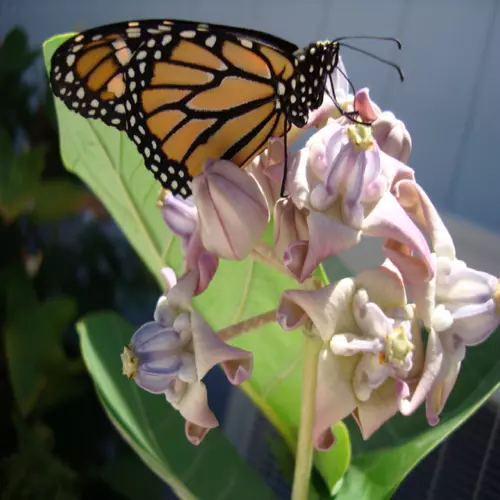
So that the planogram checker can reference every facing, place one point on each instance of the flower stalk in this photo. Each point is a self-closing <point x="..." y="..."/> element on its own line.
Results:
<point x="305" y="446"/>
<point x="247" y="325"/>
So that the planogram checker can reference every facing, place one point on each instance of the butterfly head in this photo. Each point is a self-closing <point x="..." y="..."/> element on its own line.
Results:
<point x="313" y="64"/>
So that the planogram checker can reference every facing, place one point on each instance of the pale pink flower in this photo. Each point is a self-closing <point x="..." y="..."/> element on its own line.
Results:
<point x="459" y="306"/>
<point x="341" y="183"/>
<point x="371" y="340"/>
<point x="232" y="209"/>
<point x="181" y="216"/>
<point x="172" y="354"/>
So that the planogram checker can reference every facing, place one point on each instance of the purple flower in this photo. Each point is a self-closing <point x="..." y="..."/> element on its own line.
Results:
<point x="232" y="209"/>
<point x="173" y="353"/>
<point x="341" y="184"/>
<point x="181" y="216"/>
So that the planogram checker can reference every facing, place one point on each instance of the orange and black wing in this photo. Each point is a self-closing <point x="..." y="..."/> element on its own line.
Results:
<point x="201" y="93"/>
<point x="88" y="70"/>
<point x="184" y="92"/>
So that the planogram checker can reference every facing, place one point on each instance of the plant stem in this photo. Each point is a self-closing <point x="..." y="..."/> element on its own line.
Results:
<point x="248" y="324"/>
<point x="304" y="454"/>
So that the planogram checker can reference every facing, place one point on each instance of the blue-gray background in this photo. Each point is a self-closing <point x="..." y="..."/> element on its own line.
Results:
<point x="450" y="100"/>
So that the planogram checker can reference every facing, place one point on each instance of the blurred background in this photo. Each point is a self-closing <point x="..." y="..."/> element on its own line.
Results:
<point x="61" y="255"/>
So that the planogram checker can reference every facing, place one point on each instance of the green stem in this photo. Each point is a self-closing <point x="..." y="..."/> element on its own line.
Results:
<point x="305" y="449"/>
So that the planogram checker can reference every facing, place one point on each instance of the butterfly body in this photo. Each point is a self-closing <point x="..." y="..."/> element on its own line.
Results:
<point x="185" y="92"/>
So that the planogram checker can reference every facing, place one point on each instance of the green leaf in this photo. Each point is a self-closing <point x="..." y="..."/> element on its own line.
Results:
<point x="56" y="198"/>
<point x="15" y="55"/>
<point x="380" y="464"/>
<point x="33" y="341"/>
<point x="110" y="164"/>
<point x="19" y="176"/>
<point x="155" y="430"/>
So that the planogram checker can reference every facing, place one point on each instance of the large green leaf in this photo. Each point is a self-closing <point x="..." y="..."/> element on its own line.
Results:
<point x="380" y="464"/>
<point x="155" y="430"/>
<point x="38" y="365"/>
<point x="110" y="164"/>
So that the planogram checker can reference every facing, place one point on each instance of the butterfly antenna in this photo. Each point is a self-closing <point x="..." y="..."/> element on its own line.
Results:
<point x="378" y="58"/>
<point x="365" y="37"/>
<point x="350" y="115"/>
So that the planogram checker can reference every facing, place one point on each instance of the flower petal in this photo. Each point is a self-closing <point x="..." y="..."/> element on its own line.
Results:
<point x="334" y="397"/>
<point x="381" y="406"/>
<point x="180" y="215"/>
<point x="194" y="407"/>
<point x="210" y="350"/>
<point x="432" y="367"/>
<point x="181" y="295"/>
<point x="232" y="209"/>
<point x="329" y="308"/>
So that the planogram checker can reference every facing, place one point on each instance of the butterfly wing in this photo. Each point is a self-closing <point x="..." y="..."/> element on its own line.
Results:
<point x="183" y="91"/>
<point x="88" y="70"/>
<point x="203" y="93"/>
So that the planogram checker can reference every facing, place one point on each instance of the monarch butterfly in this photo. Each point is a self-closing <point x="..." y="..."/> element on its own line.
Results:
<point x="185" y="91"/>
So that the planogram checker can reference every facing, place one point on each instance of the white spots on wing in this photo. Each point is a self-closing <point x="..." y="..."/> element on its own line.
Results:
<point x="188" y="34"/>
<point x="132" y="85"/>
<point x="120" y="108"/>
<point x="303" y="99"/>
<point x="103" y="112"/>
<point x="116" y="121"/>
<point x="166" y="40"/>
<point x="142" y="67"/>
<point x="70" y="59"/>
<point x="174" y="184"/>
<point x="147" y="152"/>
<point x="302" y="78"/>
<point x="75" y="104"/>
<point x="281" y="88"/>
<point x="70" y="77"/>
<point x="134" y="98"/>
<point x="131" y="72"/>
<point x="294" y="113"/>
<point x="293" y="83"/>
<point x="163" y="177"/>
<point x="293" y="99"/>
<point x="246" y="43"/>
<point x="80" y="93"/>
<point x="164" y="28"/>
<point x="157" y="55"/>
<point x="154" y="167"/>
<point x="128" y="105"/>
<point x="171" y="170"/>
<point x="302" y="57"/>
<point x="315" y="83"/>
<point x="134" y="32"/>
<point x="92" y="112"/>
<point x="210" y="41"/>
<point x="94" y="103"/>
<point x="183" y="191"/>
<point x="278" y="104"/>
<point x="313" y="50"/>
<point x="77" y="47"/>
<point x="329" y="68"/>
<point x="321" y="70"/>
<point x="311" y="69"/>
<point x="96" y="37"/>
<point x="181" y="173"/>
<point x="157" y="158"/>
<point x="133" y="23"/>
<point x="151" y="43"/>
<point x="58" y="77"/>
<point x="79" y="38"/>
<point x="132" y="121"/>
<point x="137" y="139"/>
<point x="141" y="55"/>
<point x="154" y="145"/>
<point x="141" y="130"/>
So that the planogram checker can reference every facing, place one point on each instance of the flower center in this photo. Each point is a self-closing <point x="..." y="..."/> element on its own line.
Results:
<point x="130" y="361"/>
<point x="397" y="347"/>
<point x="360" y="136"/>
<point x="496" y="297"/>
